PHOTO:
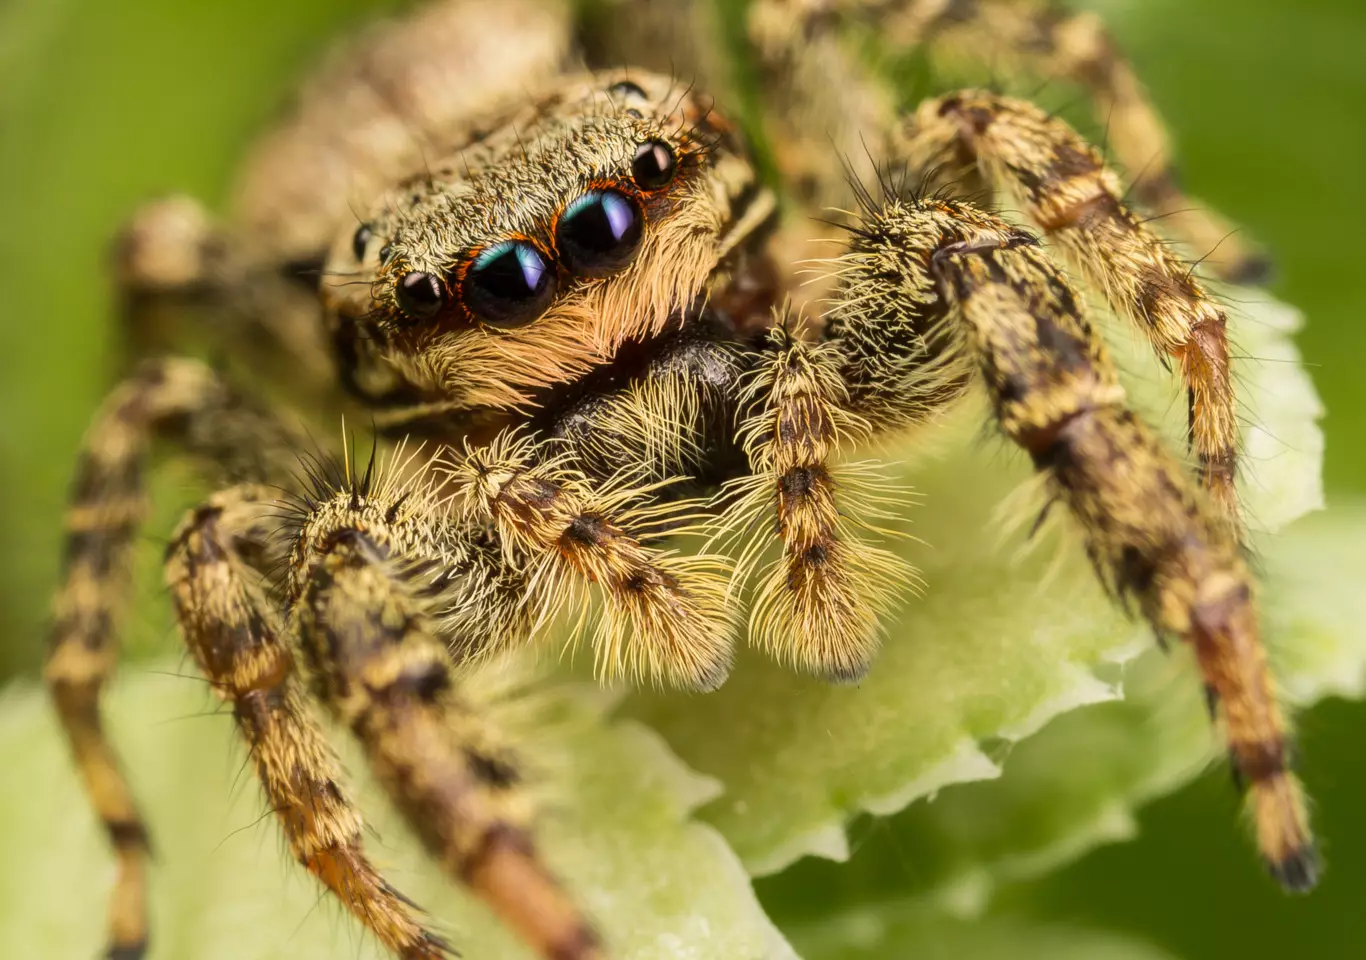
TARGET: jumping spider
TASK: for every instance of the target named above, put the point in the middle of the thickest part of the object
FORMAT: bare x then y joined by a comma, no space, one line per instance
567,285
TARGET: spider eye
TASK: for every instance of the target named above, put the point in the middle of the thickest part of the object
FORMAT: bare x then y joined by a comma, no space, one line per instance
599,232
420,295
654,165
509,284
626,90
361,240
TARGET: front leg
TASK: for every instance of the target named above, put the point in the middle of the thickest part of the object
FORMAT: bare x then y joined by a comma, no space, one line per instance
1062,184
238,641
182,402
370,582
665,617
819,606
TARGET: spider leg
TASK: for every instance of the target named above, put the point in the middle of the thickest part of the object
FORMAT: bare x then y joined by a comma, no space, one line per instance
1151,533
820,87
818,607
664,616
1061,183
179,400
365,601
185,279
238,642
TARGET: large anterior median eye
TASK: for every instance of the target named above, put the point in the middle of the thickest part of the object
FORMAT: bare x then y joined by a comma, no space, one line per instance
508,284
599,232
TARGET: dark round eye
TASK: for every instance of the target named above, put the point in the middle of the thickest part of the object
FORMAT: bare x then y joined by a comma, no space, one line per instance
599,232
361,240
509,284
654,165
420,295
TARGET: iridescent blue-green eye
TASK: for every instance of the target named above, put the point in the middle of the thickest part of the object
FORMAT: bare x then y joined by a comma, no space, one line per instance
599,232
508,284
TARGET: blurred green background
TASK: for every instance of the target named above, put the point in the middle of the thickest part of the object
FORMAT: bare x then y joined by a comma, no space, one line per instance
104,104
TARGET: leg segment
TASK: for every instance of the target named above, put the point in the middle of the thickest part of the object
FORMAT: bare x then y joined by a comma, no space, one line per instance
183,401
237,642
800,48
1149,531
366,609
819,606
665,617
185,280
1062,184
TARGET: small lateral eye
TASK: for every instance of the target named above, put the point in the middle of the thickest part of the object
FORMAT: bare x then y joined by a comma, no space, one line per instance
599,232
654,165
361,240
626,90
508,284
420,295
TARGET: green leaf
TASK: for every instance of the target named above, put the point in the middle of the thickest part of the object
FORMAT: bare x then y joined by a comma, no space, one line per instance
1078,783
616,830
997,647
1282,441
893,931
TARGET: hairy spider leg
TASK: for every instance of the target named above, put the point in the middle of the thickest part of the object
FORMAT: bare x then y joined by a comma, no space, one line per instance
665,617
182,401
240,645
1061,184
820,605
1150,531
366,597
184,279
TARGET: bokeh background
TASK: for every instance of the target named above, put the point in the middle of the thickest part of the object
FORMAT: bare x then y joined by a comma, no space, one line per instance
104,104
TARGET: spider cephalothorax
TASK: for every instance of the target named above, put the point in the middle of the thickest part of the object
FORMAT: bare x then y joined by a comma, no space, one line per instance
575,288
589,218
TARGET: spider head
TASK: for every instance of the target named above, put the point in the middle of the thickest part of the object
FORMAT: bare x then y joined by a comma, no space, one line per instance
590,218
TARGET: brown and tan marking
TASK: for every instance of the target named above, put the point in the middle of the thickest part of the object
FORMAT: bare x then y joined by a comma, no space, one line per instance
179,400
823,92
819,607
366,596
1062,184
239,644
665,616
1150,531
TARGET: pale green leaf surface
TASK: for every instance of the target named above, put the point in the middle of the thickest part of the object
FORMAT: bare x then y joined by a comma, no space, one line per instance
1282,442
1280,475
616,829
986,656
1078,783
